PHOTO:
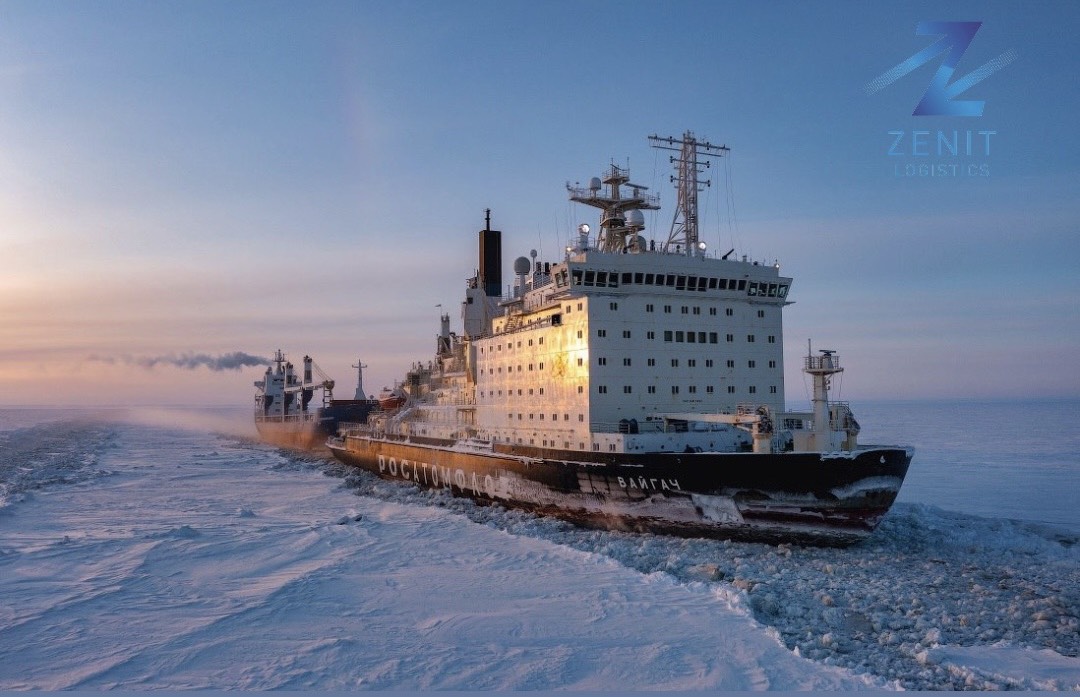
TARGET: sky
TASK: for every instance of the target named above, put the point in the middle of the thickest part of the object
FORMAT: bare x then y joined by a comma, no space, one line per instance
181,178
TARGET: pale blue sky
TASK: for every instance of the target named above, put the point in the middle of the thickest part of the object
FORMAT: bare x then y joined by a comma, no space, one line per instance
211,177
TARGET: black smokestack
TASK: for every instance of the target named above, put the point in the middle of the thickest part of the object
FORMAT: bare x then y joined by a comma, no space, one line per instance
490,259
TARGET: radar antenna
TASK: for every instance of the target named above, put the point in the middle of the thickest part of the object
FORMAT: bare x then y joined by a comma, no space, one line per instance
621,219
688,168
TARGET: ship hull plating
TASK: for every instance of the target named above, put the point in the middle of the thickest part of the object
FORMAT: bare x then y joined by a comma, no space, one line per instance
309,435
309,430
831,499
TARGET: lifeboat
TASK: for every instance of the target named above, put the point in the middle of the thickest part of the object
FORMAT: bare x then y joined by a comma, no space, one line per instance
391,398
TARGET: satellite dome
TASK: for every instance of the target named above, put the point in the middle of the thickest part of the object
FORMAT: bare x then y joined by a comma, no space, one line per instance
635,218
594,184
522,266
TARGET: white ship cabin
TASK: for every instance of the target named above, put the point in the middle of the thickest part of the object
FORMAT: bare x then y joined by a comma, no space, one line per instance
593,351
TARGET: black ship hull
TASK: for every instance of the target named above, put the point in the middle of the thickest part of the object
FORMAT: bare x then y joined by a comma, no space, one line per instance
832,499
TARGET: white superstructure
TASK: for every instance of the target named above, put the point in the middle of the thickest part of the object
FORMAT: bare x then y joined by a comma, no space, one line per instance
622,346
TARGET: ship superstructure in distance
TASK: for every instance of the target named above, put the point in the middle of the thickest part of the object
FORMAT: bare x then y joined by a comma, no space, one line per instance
286,413
634,384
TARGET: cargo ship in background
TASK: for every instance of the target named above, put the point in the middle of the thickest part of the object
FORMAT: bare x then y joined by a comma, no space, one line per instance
633,384
284,411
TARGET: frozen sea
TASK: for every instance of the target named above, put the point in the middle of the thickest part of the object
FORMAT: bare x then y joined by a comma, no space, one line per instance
166,548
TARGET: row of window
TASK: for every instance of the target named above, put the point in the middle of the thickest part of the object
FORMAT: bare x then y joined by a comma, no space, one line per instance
554,417
612,279
628,389
691,310
680,336
690,362
686,310
510,345
520,393
510,368
691,389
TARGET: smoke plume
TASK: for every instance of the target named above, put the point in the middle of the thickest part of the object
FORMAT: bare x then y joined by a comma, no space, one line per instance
190,361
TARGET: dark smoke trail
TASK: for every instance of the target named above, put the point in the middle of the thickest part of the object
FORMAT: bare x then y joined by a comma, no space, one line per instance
190,361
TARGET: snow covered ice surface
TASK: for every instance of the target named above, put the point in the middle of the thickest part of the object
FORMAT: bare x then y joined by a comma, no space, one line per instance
140,556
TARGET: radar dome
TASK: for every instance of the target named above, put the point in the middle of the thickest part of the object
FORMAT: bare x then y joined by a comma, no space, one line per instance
594,184
634,218
522,266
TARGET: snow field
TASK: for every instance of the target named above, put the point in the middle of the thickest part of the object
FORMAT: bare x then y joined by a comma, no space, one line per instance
193,561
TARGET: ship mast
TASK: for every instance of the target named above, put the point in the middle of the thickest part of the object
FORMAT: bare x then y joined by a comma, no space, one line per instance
621,220
688,168
360,380
821,368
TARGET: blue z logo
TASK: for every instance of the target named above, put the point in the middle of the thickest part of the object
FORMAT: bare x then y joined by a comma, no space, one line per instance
939,98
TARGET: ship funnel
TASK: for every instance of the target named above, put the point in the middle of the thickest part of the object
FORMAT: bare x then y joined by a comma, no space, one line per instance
490,259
